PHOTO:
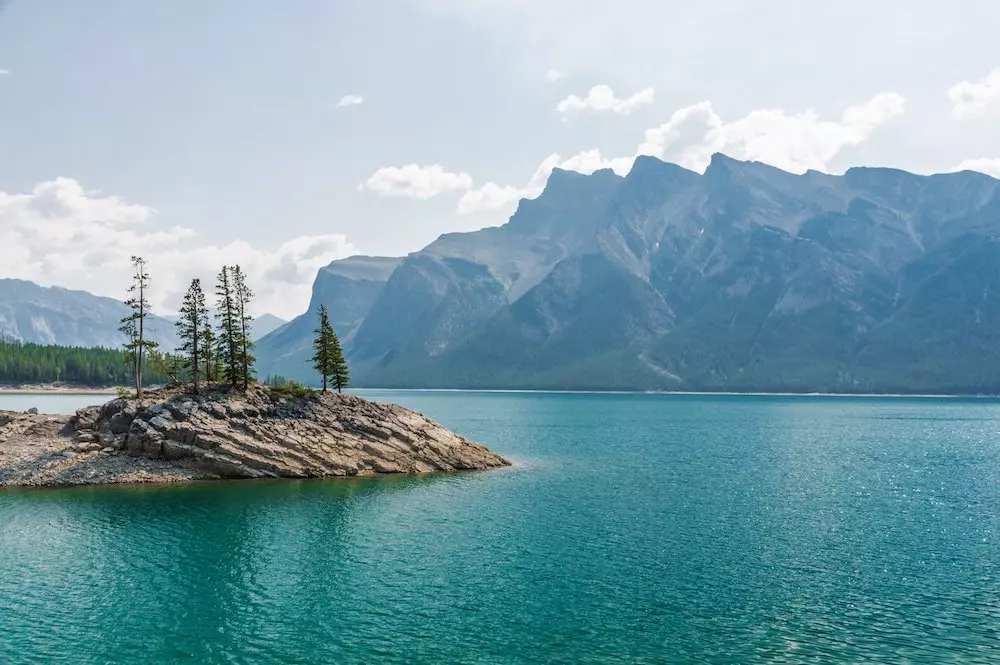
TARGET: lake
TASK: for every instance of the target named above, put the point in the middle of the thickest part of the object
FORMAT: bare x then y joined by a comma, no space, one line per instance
633,529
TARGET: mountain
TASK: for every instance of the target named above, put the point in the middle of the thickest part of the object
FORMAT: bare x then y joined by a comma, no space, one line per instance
348,288
743,278
54,315
265,324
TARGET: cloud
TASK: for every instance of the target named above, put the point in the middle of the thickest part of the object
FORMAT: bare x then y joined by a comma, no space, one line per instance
61,234
794,142
988,165
351,100
416,181
4,72
554,75
601,98
972,100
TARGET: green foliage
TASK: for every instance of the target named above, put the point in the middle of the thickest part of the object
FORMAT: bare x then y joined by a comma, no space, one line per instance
328,357
289,390
243,296
37,363
190,327
276,380
122,392
234,344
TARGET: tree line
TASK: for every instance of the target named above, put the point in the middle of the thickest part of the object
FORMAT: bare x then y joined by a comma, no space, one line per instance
25,362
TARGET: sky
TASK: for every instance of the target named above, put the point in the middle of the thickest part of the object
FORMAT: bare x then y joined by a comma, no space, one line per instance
284,135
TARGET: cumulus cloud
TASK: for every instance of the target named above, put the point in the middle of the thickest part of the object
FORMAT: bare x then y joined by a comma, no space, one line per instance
794,142
351,100
554,75
416,181
972,99
988,165
601,98
61,234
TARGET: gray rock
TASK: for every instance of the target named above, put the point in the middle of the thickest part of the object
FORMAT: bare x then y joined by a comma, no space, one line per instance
121,421
159,423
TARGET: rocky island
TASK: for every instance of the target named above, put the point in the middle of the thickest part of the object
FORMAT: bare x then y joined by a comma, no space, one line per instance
174,435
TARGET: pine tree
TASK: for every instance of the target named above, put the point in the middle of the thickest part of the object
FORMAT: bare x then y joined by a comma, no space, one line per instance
133,325
190,329
209,351
228,343
242,297
341,373
323,346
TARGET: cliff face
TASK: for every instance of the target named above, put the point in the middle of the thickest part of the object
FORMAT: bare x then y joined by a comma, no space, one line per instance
230,436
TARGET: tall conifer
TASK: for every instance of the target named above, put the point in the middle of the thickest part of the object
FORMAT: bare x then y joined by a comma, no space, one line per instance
242,297
133,325
323,347
190,329
228,341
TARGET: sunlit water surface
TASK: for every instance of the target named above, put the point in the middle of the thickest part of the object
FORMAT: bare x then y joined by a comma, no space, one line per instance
633,529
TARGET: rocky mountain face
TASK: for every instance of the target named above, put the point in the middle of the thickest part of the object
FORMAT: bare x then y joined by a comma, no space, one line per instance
54,315
348,288
743,278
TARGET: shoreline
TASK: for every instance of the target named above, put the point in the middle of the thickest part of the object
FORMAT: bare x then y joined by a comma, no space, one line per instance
71,390
54,390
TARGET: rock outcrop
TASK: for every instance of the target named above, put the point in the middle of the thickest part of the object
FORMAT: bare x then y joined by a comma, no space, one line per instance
229,435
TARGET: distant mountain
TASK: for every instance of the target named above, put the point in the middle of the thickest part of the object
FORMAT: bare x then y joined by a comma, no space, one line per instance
54,315
265,324
742,278
348,288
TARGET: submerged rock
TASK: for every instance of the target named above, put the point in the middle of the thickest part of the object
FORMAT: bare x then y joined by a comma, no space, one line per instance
169,436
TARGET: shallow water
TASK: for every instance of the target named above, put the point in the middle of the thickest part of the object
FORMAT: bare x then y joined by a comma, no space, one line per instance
634,528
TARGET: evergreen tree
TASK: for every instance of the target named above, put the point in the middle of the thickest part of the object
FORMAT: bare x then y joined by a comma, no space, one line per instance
242,296
133,325
209,351
190,329
341,373
323,347
228,342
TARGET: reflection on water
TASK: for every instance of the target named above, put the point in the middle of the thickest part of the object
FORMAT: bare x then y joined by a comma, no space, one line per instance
636,529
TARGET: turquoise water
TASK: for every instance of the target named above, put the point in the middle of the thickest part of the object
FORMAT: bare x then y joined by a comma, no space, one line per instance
634,529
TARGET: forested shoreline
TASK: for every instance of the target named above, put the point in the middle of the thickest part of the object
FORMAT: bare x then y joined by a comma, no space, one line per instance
26,363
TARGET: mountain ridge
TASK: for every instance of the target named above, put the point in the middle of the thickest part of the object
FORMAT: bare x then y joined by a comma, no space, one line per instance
743,278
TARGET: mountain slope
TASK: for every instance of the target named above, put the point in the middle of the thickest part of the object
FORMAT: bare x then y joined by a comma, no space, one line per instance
348,288
54,315
742,278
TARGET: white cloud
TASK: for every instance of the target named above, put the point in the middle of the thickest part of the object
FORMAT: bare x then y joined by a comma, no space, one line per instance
973,99
602,98
795,143
416,181
351,100
988,165
4,72
61,234
554,75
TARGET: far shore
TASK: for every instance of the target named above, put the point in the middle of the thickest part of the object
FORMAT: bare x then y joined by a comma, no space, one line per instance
55,390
